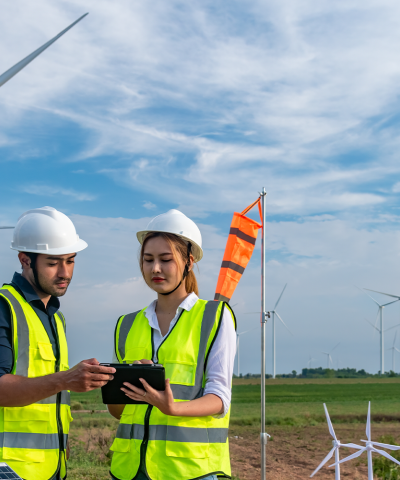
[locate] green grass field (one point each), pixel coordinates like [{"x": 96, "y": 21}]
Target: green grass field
[{"x": 291, "y": 402}]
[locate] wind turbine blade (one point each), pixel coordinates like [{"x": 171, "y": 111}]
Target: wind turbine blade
[
  {"x": 368, "y": 429},
  {"x": 350, "y": 457},
  {"x": 386, "y": 445},
  {"x": 390, "y": 328},
  {"x": 5, "y": 228},
  {"x": 334, "y": 347},
  {"x": 328, "y": 457},
  {"x": 280, "y": 296},
  {"x": 372, "y": 325},
  {"x": 249, "y": 313},
  {"x": 376, "y": 319},
  {"x": 247, "y": 331},
  {"x": 371, "y": 297},
  {"x": 325, "y": 353},
  {"x": 6, "y": 76},
  {"x": 397, "y": 350},
  {"x": 395, "y": 335},
  {"x": 386, "y": 304},
  {"x": 351, "y": 445},
  {"x": 330, "y": 426},
  {"x": 387, "y": 294},
  {"x": 277, "y": 314},
  {"x": 385, "y": 454}
]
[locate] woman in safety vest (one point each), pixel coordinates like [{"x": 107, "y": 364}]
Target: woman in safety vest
[{"x": 182, "y": 432}]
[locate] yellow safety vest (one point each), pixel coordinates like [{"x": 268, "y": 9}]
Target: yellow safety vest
[
  {"x": 170, "y": 447},
  {"x": 33, "y": 439}
]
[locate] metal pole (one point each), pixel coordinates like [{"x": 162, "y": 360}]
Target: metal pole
[
  {"x": 238, "y": 365},
  {"x": 273, "y": 346},
  {"x": 337, "y": 468},
  {"x": 382, "y": 352},
  {"x": 263, "y": 434},
  {"x": 370, "y": 466}
]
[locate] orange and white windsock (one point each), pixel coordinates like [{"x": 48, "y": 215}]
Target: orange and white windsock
[{"x": 238, "y": 251}]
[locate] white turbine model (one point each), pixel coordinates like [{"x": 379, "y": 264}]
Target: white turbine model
[
  {"x": 6, "y": 76},
  {"x": 237, "y": 347},
  {"x": 370, "y": 447},
  {"x": 394, "y": 349},
  {"x": 329, "y": 358},
  {"x": 335, "y": 449},
  {"x": 381, "y": 330}
]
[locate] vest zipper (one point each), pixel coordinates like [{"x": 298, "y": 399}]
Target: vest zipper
[
  {"x": 166, "y": 336},
  {"x": 143, "y": 446},
  {"x": 58, "y": 408}
]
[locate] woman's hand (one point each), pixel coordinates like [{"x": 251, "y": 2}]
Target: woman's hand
[{"x": 163, "y": 400}]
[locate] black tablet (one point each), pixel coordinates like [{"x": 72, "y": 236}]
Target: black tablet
[{"x": 111, "y": 392}]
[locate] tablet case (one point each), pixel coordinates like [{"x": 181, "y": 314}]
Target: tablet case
[{"x": 112, "y": 393}]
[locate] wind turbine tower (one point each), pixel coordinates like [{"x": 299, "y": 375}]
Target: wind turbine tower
[
  {"x": 381, "y": 330},
  {"x": 394, "y": 349},
  {"x": 329, "y": 358},
  {"x": 237, "y": 348}
]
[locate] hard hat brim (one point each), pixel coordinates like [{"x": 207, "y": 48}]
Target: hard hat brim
[
  {"x": 197, "y": 251},
  {"x": 75, "y": 248}
]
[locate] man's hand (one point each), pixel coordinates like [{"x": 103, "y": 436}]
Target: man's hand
[{"x": 87, "y": 375}]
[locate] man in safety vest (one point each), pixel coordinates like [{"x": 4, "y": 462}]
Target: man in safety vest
[{"x": 35, "y": 378}]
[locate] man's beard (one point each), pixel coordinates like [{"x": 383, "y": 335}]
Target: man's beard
[{"x": 50, "y": 286}]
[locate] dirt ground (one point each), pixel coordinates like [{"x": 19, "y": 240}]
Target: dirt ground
[{"x": 295, "y": 452}]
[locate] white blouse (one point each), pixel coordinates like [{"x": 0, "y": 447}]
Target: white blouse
[{"x": 219, "y": 369}]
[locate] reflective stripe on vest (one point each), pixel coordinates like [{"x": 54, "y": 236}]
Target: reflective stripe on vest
[
  {"x": 173, "y": 433},
  {"x": 173, "y": 447},
  {"x": 45, "y": 441},
  {"x": 33, "y": 438}
]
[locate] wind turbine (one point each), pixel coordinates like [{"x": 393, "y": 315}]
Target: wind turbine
[
  {"x": 310, "y": 361},
  {"x": 329, "y": 358},
  {"x": 381, "y": 329},
  {"x": 237, "y": 347},
  {"x": 370, "y": 447},
  {"x": 394, "y": 349},
  {"x": 335, "y": 449},
  {"x": 6, "y": 76},
  {"x": 274, "y": 312}
]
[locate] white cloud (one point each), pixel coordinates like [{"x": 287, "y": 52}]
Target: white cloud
[
  {"x": 52, "y": 191},
  {"x": 301, "y": 80},
  {"x": 149, "y": 206}
]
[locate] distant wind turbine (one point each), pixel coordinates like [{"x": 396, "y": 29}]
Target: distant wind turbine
[
  {"x": 329, "y": 358},
  {"x": 381, "y": 330},
  {"x": 394, "y": 349},
  {"x": 310, "y": 361},
  {"x": 274, "y": 312},
  {"x": 6, "y": 76},
  {"x": 237, "y": 347}
]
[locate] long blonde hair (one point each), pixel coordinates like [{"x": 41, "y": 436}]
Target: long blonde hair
[{"x": 178, "y": 246}]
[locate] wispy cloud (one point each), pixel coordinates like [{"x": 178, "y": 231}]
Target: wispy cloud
[
  {"x": 149, "y": 205},
  {"x": 52, "y": 191}
]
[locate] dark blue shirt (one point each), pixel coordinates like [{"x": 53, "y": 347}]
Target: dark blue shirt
[{"x": 46, "y": 316}]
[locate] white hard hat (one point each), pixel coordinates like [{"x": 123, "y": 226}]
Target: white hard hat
[
  {"x": 177, "y": 223},
  {"x": 48, "y": 231}
]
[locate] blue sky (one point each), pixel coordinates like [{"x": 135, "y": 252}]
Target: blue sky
[{"x": 143, "y": 107}]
